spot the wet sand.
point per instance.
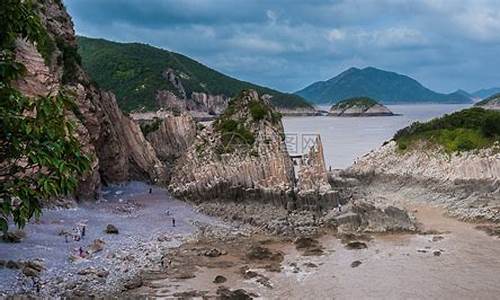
(396, 266)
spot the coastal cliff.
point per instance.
(242, 156)
(242, 153)
(116, 145)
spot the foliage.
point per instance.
(70, 60)
(258, 110)
(134, 73)
(149, 127)
(40, 156)
(466, 130)
(364, 102)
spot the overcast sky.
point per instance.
(445, 44)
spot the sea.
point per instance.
(347, 138)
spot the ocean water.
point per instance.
(345, 139)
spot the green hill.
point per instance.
(133, 71)
(387, 87)
(465, 130)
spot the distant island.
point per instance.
(359, 107)
(492, 102)
(386, 87)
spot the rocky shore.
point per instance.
(467, 184)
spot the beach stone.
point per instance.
(111, 229)
(356, 245)
(250, 275)
(356, 264)
(14, 236)
(134, 283)
(99, 272)
(213, 253)
(219, 279)
(226, 294)
(310, 265)
(96, 246)
(30, 272)
(258, 252)
(11, 264)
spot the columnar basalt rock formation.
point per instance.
(312, 174)
(242, 154)
(467, 183)
(173, 137)
(115, 143)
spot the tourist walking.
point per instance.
(173, 222)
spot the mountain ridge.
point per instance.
(137, 72)
(389, 87)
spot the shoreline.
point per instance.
(134, 269)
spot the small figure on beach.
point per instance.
(83, 231)
(150, 190)
(173, 222)
(81, 253)
(168, 212)
(339, 206)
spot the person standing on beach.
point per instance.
(173, 222)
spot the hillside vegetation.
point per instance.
(468, 129)
(133, 72)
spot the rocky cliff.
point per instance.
(116, 144)
(174, 135)
(241, 154)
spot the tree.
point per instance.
(40, 156)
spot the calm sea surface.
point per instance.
(345, 139)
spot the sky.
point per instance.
(287, 45)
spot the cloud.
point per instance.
(446, 44)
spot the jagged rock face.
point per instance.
(214, 104)
(312, 174)
(174, 136)
(242, 151)
(181, 102)
(431, 163)
(115, 143)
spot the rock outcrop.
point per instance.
(467, 183)
(173, 137)
(116, 144)
(359, 107)
(242, 155)
(424, 163)
(365, 217)
(492, 102)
